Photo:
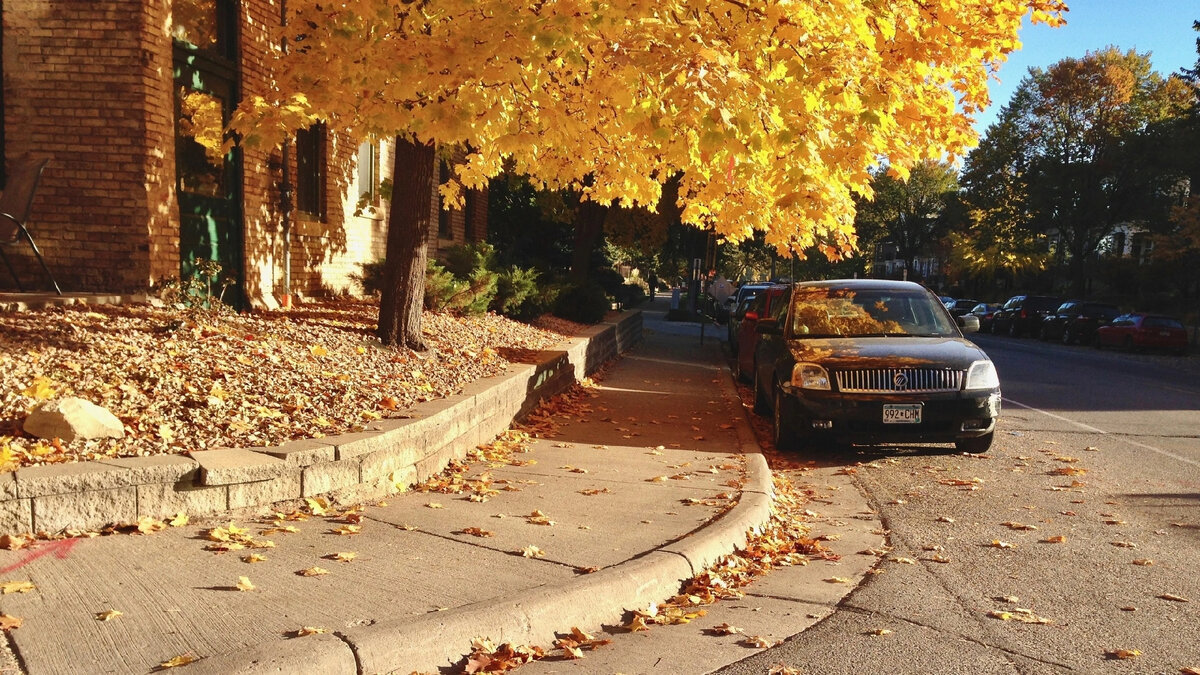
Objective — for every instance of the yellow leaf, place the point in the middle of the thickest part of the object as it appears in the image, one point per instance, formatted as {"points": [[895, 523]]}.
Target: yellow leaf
{"points": [[1121, 654], [881, 631], [1144, 562], [166, 433], [244, 584], [108, 615], [1057, 539], [313, 572], [41, 388], [318, 350], [254, 558], [838, 580], [532, 551], [1172, 597], [348, 530], [181, 660], [344, 556], [309, 630], [996, 543], [636, 624], [16, 587], [179, 520]]}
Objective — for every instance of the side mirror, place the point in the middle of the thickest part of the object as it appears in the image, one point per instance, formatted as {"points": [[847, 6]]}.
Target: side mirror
{"points": [[968, 323], [767, 327]]}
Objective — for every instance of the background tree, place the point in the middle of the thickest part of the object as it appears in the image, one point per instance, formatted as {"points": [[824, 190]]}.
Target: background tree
{"points": [[909, 213], [1066, 154], [772, 113]]}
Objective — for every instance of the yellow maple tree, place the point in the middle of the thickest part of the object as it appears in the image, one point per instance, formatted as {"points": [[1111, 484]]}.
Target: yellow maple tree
{"points": [[771, 112]]}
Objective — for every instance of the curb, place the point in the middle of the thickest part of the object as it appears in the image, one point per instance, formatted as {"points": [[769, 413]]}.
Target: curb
{"points": [[442, 639]]}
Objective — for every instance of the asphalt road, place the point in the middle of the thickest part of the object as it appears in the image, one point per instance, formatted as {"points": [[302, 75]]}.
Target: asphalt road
{"points": [[1085, 515]]}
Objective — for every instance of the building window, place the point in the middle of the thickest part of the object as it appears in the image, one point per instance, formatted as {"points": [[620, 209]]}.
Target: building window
{"points": [[310, 170], [368, 174], [444, 231]]}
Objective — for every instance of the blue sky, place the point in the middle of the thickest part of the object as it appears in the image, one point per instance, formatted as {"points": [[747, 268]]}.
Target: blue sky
{"points": [[1161, 27]]}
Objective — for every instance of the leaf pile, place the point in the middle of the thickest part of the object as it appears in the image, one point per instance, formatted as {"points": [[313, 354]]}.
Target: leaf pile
{"points": [[182, 380]]}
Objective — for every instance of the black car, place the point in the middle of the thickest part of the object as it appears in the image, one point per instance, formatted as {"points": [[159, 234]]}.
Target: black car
{"points": [[1077, 321], [984, 311], [872, 362], [960, 307], [1023, 314]]}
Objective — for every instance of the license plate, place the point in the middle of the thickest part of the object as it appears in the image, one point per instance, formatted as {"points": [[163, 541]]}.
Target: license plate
{"points": [[902, 413]]}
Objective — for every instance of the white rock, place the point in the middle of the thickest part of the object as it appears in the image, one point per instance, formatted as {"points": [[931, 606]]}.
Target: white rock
{"points": [[70, 418]]}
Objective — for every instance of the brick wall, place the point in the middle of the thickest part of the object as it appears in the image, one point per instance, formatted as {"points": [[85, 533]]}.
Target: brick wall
{"points": [[80, 82], [90, 86]]}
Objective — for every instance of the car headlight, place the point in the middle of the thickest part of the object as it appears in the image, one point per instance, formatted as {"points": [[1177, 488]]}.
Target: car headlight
{"points": [[809, 376], [982, 375]]}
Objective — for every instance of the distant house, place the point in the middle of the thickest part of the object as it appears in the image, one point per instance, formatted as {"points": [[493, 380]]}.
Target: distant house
{"points": [[887, 264], [127, 99]]}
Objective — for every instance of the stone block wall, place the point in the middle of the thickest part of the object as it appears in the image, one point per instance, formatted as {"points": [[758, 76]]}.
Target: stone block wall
{"points": [[390, 454]]}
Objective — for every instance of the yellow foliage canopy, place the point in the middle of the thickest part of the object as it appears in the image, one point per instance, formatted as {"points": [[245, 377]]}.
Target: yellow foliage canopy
{"points": [[772, 111]]}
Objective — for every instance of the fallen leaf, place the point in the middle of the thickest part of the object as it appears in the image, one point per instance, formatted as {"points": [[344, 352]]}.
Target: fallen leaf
{"points": [[254, 558], [433, 505], [1172, 597], [179, 520], [108, 615], [880, 631], [181, 660], [244, 584], [313, 572], [344, 556], [1056, 539], [760, 642], [17, 587], [308, 630], [1144, 562], [996, 543], [1121, 654], [1124, 544], [1018, 526], [532, 551], [726, 629], [838, 580], [1068, 471], [945, 519], [346, 530]]}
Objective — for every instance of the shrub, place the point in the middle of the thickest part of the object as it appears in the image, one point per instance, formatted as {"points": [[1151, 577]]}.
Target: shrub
{"points": [[370, 278], [445, 292], [583, 303], [516, 291]]}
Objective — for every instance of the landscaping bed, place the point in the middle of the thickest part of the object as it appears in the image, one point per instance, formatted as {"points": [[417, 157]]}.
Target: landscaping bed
{"points": [[185, 380]]}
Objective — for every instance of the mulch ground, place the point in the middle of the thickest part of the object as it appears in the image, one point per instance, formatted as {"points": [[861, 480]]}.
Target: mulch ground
{"points": [[183, 380]]}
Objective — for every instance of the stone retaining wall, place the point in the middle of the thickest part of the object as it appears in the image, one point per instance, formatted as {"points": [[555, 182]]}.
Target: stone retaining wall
{"points": [[390, 453]]}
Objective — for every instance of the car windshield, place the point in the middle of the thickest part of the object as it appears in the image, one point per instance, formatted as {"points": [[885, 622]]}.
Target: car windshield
{"points": [[840, 312]]}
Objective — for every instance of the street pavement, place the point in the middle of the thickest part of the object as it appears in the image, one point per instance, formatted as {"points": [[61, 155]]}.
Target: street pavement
{"points": [[621, 501]]}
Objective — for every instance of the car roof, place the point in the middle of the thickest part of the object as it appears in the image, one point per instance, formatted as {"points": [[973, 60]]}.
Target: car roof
{"points": [[864, 284]]}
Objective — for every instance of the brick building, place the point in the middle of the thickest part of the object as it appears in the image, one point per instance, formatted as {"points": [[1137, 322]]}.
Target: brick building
{"points": [[127, 99]]}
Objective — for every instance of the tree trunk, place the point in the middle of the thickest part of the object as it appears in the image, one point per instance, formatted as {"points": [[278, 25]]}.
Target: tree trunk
{"points": [[403, 294], [589, 224]]}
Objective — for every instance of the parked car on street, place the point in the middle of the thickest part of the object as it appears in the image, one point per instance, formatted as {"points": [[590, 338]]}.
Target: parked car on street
{"points": [[984, 311], [770, 302], [1143, 331], [737, 304], [1023, 314], [1077, 321], [960, 307], [869, 361]]}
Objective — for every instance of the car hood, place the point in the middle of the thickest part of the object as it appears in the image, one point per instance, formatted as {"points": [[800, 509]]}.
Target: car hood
{"points": [[887, 352]]}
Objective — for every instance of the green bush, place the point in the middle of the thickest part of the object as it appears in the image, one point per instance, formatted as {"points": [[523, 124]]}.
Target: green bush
{"points": [[582, 303], [369, 278], [516, 293], [444, 292], [464, 260]]}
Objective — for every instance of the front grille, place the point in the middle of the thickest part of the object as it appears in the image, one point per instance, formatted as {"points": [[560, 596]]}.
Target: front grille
{"points": [[898, 380]]}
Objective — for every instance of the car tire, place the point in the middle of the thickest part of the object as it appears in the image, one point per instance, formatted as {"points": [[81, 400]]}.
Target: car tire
{"points": [[1044, 335], [1012, 330], [760, 397], [975, 446], [1067, 337], [786, 432]]}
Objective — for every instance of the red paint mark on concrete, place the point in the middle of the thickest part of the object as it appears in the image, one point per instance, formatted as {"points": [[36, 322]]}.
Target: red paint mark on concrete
{"points": [[59, 548]]}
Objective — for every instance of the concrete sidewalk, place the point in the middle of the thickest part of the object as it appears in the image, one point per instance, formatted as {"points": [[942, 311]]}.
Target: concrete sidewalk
{"points": [[645, 483]]}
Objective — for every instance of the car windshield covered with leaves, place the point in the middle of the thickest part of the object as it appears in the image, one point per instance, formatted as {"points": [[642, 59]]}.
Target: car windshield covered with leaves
{"points": [[869, 312]]}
